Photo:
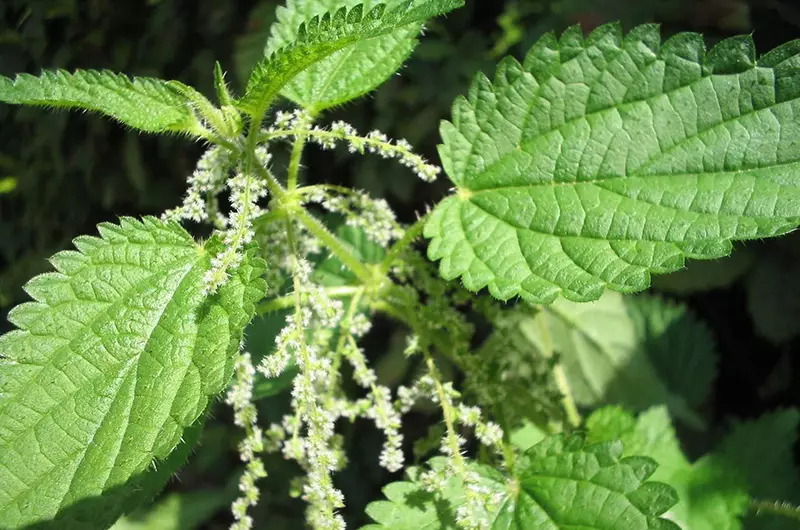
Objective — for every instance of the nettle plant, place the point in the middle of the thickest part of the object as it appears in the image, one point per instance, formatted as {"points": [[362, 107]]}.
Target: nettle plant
{"points": [[590, 165]]}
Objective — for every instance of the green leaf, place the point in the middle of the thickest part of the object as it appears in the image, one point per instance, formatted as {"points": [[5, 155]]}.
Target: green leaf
{"points": [[636, 352], [117, 355], [322, 36], [711, 495], [601, 160], [144, 103], [562, 484], [350, 72], [762, 451]]}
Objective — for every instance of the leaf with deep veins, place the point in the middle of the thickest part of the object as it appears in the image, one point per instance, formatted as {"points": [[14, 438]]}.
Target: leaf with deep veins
{"points": [[320, 37], [117, 355], [350, 72], [599, 161]]}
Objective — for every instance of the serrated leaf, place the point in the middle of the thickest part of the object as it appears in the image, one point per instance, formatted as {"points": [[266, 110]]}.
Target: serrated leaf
{"points": [[563, 484], [119, 352], [322, 36], [144, 103], [636, 352], [601, 160], [350, 72], [711, 496], [702, 276]]}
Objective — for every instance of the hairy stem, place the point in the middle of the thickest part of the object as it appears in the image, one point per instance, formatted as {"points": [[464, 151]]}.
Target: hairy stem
{"points": [[781, 508], [294, 162]]}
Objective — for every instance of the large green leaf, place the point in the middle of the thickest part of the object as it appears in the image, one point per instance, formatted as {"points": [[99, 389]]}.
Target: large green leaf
{"points": [[118, 354], [320, 37], [144, 103], [562, 484], [599, 161], [348, 73], [711, 494]]}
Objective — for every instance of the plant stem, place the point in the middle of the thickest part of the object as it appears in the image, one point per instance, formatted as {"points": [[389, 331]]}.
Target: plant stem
{"points": [[412, 233], [287, 301], [333, 244], [560, 376], [781, 508], [294, 162]]}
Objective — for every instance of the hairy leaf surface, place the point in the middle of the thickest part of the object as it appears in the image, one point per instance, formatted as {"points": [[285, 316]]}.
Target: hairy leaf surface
{"points": [[320, 37], [117, 355], [348, 73], [144, 103], [561, 484], [601, 160]]}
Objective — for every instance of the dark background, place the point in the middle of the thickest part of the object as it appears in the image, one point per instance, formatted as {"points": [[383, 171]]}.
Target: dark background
{"points": [[61, 173]]}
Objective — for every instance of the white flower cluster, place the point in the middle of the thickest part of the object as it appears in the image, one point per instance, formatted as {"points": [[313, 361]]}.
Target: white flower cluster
{"points": [[274, 246], [245, 192], [374, 216], [379, 407], [240, 398], [315, 451], [298, 124], [205, 182]]}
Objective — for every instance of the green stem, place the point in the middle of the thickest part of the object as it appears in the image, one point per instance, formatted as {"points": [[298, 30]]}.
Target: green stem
{"points": [[412, 233], [287, 301], [333, 244], [560, 376], [344, 333], [781, 508], [294, 162]]}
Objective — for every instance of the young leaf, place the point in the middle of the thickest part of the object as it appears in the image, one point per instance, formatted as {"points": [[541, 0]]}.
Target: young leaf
{"points": [[711, 494], [561, 484], [144, 103], [119, 352], [322, 36], [599, 161], [350, 72]]}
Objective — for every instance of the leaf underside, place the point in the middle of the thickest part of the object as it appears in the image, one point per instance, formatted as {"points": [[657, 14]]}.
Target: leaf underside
{"points": [[117, 355], [322, 36], [348, 73], [601, 160], [147, 104], [562, 484]]}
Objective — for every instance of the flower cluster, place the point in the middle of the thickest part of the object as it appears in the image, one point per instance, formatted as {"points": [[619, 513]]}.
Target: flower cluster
{"points": [[298, 124], [207, 180], [245, 192], [373, 216], [240, 398]]}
